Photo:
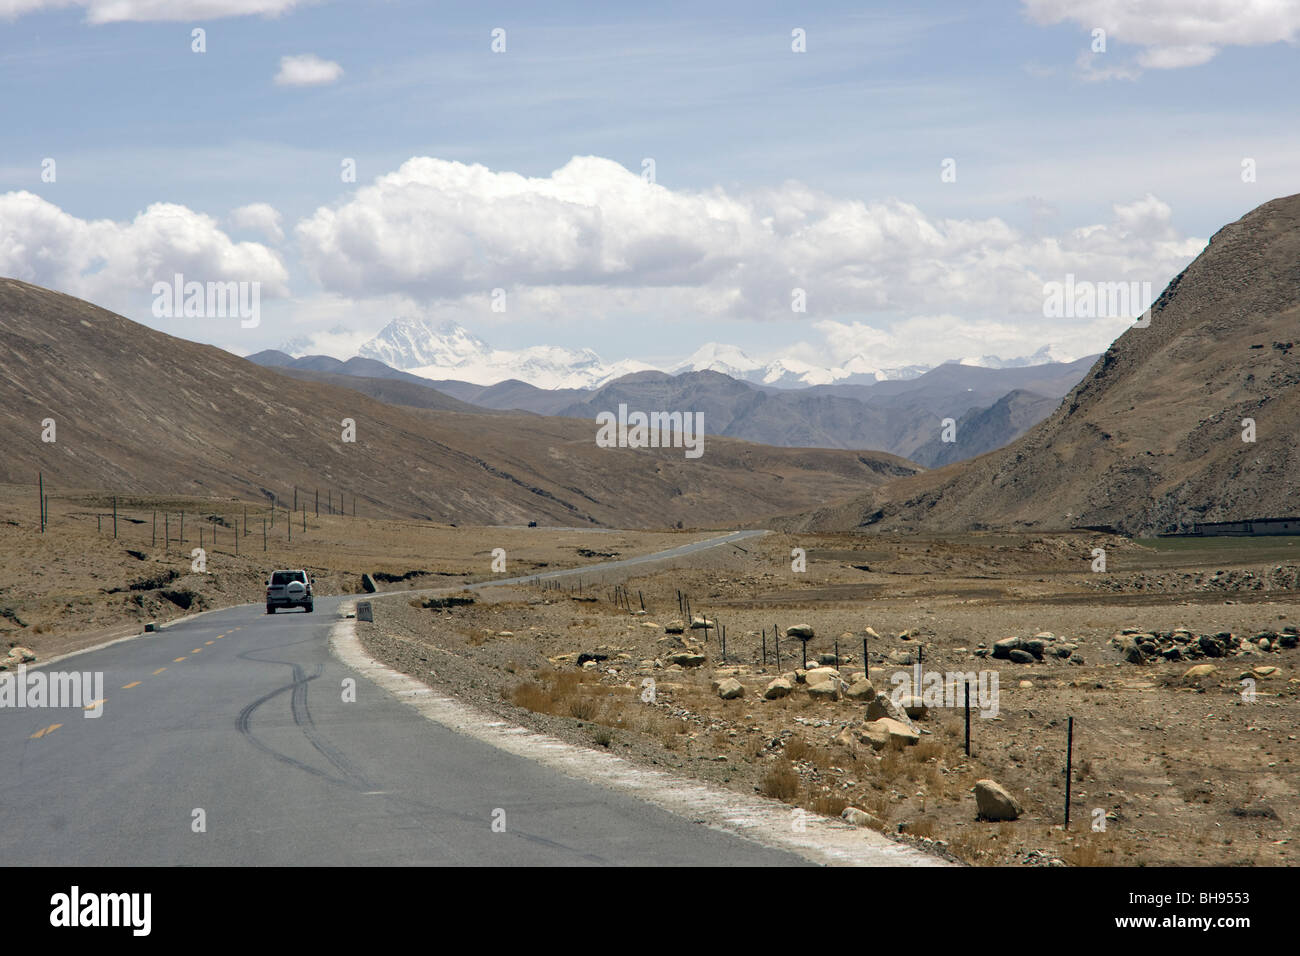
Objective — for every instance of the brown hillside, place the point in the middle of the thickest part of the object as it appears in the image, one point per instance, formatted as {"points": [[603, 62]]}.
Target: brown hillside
{"points": [[142, 412], [1151, 439]]}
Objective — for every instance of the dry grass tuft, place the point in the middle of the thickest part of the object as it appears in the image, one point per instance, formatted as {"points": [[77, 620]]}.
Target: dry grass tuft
{"points": [[781, 782]]}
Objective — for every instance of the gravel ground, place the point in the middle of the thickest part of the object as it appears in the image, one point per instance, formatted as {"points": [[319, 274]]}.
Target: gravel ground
{"points": [[1182, 772]]}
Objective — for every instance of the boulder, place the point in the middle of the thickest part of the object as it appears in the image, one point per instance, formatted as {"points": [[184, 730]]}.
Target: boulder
{"points": [[1002, 649], [1018, 656], [778, 688], [730, 689], [1210, 646], [674, 627], [887, 732], [825, 690], [687, 659], [845, 738], [816, 675], [1034, 646], [1129, 648], [883, 706], [994, 802], [1198, 671], [861, 689], [860, 818], [21, 655], [701, 623], [802, 631]]}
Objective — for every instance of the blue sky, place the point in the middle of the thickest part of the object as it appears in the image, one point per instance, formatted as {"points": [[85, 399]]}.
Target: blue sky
{"points": [[1049, 139]]}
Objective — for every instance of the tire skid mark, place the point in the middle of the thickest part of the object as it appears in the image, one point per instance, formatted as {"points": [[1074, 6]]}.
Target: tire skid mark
{"points": [[352, 778], [300, 711]]}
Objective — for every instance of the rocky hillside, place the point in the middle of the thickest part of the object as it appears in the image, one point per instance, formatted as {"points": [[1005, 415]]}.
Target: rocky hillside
{"points": [[136, 411], [1152, 439]]}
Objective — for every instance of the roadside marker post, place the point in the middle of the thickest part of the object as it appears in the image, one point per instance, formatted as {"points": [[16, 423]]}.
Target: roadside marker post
{"points": [[967, 685], [1069, 768]]}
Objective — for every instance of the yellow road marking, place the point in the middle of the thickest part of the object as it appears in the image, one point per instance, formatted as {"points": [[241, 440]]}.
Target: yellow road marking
{"points": [[134, 683], [45, 730], [95, 703], [177, 660], [196, 650], [206, 643], [158, 671]]}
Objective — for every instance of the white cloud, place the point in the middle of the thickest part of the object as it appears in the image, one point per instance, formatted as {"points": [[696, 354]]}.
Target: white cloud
{"points": [[593, 240], [259, 216], [115, 263], [1177, 33], [119, 11], [307, 69]]}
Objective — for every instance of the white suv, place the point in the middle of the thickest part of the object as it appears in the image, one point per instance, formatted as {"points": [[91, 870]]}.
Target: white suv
{"points": [[289, 589]]}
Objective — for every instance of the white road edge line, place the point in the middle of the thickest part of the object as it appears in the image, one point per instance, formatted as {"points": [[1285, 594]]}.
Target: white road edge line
{"points": [[767, 822]]}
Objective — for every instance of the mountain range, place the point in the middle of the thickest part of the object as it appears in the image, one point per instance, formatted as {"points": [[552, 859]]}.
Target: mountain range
{"points": [[1192, 418], [138, 411], [449, 351], [903, 417]]}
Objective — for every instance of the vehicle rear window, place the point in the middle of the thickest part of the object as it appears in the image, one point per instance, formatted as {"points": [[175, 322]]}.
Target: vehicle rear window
{"points": [[284, 577]]}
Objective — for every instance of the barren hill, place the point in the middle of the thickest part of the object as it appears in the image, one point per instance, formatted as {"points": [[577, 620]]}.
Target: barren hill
{"points": [[137, 411], [1152, 439]]}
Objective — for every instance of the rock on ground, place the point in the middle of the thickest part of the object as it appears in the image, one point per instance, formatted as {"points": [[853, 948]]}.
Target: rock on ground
{"points": [[994, 802]]}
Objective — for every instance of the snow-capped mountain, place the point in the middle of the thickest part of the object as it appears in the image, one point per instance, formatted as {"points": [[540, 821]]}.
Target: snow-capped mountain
{"points": [[727, 359], [789, 372], [450, 351], [1047, 353]]}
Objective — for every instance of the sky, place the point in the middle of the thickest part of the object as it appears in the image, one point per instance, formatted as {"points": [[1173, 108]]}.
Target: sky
{"points": [[639, 179]]}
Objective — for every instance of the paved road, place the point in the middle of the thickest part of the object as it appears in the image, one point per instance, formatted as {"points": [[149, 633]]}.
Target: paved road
{"points": [[241, 715]]}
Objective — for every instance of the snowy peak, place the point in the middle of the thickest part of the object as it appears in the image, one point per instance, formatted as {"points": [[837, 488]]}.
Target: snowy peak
{"points": [[413, 343], [1044, 355], [715, 357], [450, 351]]}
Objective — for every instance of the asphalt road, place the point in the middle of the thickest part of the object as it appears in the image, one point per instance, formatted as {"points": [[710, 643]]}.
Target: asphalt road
{"points": [[241, 715]]}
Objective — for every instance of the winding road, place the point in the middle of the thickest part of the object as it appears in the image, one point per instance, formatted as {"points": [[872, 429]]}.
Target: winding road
{"points": [[225, 739]]}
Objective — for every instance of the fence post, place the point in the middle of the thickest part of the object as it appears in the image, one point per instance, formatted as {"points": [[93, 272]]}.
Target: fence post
{"points": [[1069, 765], [41, 493], [967, 685], [115, 517]]}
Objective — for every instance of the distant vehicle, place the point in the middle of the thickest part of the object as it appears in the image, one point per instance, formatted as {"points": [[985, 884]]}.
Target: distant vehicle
{"points": [[289, 589]]}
